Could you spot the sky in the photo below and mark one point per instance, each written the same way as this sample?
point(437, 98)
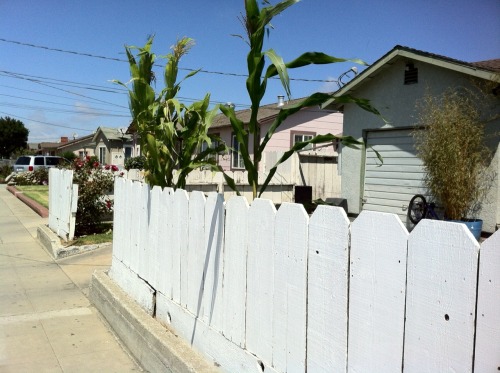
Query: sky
point(58, 58)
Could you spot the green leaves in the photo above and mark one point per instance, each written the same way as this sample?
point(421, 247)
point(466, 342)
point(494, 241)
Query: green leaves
point(257, 21)
point(171, 133)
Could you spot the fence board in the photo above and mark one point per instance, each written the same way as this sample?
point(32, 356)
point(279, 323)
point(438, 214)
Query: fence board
point(180, 246)
point(487, 357)
point(154, 233)
point(441, 298)
point(196, 253)
point(327, 303)
point(235, 269)
point(213, 266)
point(377, 293)
point(290, 288)
point(118, 226)
point(164, 240)
point(144, 250)
point(260, 263)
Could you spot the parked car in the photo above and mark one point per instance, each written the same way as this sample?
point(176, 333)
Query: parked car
point(32, 162)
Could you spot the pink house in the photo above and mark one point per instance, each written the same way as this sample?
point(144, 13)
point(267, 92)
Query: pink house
point(301, 126)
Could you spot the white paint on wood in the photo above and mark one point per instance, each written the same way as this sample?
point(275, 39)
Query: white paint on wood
point(154, 233)
point(260, 274)
point(209, 342)
point(213, 265)
point(118, 218)
point(290, 288)
point(327, 303)
point(196, 252)
point(487, 357)
point(181, 211)
point(235, 269)
point(441, 298)
point(164, 241)
point(62, 201)
point(180, 246)
point(144, 251)
point(377, 293)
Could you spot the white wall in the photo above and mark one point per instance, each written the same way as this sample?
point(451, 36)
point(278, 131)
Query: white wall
point(396, 102)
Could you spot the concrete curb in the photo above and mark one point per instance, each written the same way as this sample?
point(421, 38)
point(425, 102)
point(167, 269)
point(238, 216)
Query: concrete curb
point(52, 244)
point(156, 347)
point(35, 206)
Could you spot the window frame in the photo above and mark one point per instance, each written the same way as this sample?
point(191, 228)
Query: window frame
point(303, 134)
point(235, 154)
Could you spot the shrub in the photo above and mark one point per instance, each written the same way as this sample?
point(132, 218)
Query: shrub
point(453, 152)
point(70, 156)
point(94, 183)
point(38, 177)
point(135, 163)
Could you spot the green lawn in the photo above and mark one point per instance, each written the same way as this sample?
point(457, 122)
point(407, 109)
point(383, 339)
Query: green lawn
point(38, 193)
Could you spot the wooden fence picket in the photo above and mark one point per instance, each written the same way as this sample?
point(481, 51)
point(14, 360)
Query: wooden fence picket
point(128, 212)
point(213, 266)
point(164, 240)
point(154, 233)
point(196, 252)
point(235, 269)
point(377, 293)
point(142, 220)
point(179, 242)
point(441, 298)
point(290, 288)
point(327, 302)
point(260, 274)
point(487, 356)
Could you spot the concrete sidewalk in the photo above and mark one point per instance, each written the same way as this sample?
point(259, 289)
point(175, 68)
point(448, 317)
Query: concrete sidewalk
point(47, 323)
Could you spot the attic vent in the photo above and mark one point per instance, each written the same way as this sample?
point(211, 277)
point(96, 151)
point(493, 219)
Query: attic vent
point(411, 74)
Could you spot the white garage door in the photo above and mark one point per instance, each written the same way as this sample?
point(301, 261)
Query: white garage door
point(388, 187)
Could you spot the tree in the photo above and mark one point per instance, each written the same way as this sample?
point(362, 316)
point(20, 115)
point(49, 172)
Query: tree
point(13, 136)
point(257, 24)
point(171, 133)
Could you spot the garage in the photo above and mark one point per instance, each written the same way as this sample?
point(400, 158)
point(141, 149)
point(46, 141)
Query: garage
point(389, 186)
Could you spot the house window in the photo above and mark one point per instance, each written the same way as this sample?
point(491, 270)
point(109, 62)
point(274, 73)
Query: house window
point(213, 145)
point(128, 152)
point(82, 154)
point(411, 74)
point(236, 158)
point(102, 155)
point(300, 137)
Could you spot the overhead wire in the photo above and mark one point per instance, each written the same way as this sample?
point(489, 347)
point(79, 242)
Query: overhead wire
point(123, 60)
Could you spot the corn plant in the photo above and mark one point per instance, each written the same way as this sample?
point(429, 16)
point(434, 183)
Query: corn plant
point(257, 21)
point(171, 133)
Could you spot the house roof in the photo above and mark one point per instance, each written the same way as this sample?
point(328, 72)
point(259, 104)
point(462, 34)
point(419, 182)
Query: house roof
point(83, 141)
point(488, 70)
point(112, 134)
point(266, 112)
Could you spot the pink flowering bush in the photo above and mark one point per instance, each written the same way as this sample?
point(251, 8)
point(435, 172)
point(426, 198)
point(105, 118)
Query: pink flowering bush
point(94, 184)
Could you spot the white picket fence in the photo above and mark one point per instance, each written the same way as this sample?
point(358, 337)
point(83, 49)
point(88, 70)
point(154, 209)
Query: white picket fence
point(257, 289)
point(63, 196)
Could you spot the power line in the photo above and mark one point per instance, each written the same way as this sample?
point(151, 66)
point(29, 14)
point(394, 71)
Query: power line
point(19, 76)
point(123, 60)
point(55, 110)
point(52, 103)
point(46, 123)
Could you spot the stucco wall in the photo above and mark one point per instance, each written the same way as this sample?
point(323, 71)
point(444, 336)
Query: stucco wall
point(396, 102)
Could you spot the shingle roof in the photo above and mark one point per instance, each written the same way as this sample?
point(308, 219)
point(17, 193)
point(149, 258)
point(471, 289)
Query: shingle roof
point(113, 134)
point(84, 140)
point(265, 112)
point(492, 65)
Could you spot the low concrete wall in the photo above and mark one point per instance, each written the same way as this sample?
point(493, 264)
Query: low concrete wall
point(155, 347)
